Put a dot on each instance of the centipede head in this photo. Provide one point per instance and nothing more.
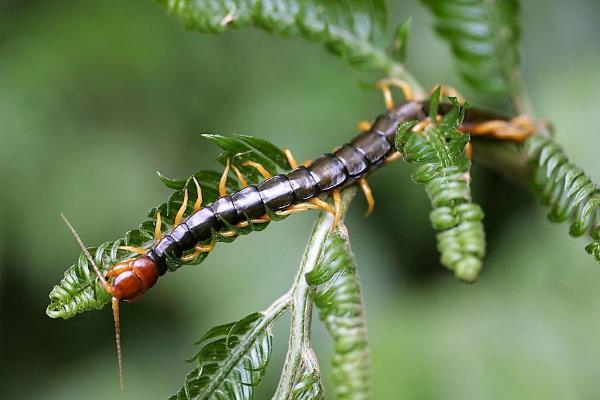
(126, 281)
(130, 278)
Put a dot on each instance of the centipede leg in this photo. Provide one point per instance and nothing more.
(198, 202)
(259, 167)
(300, 207)
(394, 156)
(260, 220)
(290, 158)
(337, 204)
(158, 227)
(181, 211)
(384, 86)
(133, 249)
(368, 193)
(223, 180)
(469, 151)
(240, 177)
(363, 126)
(517, 129)
(323, 205)
(199, 249)
(387, 94)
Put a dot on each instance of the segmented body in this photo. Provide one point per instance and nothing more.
(365, 153)
(345, 166)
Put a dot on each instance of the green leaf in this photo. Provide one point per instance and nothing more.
(566, 189)
(484, 38)
(434, 103)
(338, 296)
(400, 40)
(351, 29)
(307, 387)
(80, 290)
(231, 361)
(445, 173)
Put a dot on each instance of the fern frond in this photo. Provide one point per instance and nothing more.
(445, 172)
(307, 386)
(567, 190)
(233, 358)
(338, 297)
(484, 38)
(80, 289)
(352, 29)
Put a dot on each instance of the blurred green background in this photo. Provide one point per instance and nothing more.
(97, 95)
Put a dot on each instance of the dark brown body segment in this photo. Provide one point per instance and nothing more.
(349, 163)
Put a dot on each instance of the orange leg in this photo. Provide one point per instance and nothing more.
(337, 201)
(323, 205)
(392, 157)
(517, 129)
(363, 126)
(296, 208)
(259, 167)
(384, 86)
(290, 158)
(223, 180)
(469, 151)
(240, 177)
(133, 249)
(366, 189)
(179, 215)
(198, 203)
(158, 227)
(199, 249)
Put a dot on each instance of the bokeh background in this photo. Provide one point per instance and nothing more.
(97, 95)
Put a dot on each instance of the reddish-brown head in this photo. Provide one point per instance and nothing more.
(129, 279)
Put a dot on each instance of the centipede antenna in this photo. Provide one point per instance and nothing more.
(115, 310)
(105, 284)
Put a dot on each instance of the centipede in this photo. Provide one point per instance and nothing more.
(279, 195)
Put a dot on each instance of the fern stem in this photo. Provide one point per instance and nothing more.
(300, 356)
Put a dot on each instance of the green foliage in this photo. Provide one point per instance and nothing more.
(484, 37)
(571, 194)
(445, 174)
(231, 361)
(400, 43)
(352, 29)
(80, 289)
(308, 386)
(339, 300)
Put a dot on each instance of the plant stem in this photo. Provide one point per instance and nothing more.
(300, 356)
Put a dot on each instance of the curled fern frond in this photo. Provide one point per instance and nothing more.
(232, 359)
(484, 37)
(353, 30)
(567, 190)
(80, 289)
(307, 386)
(339, 300)
(445, 172)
